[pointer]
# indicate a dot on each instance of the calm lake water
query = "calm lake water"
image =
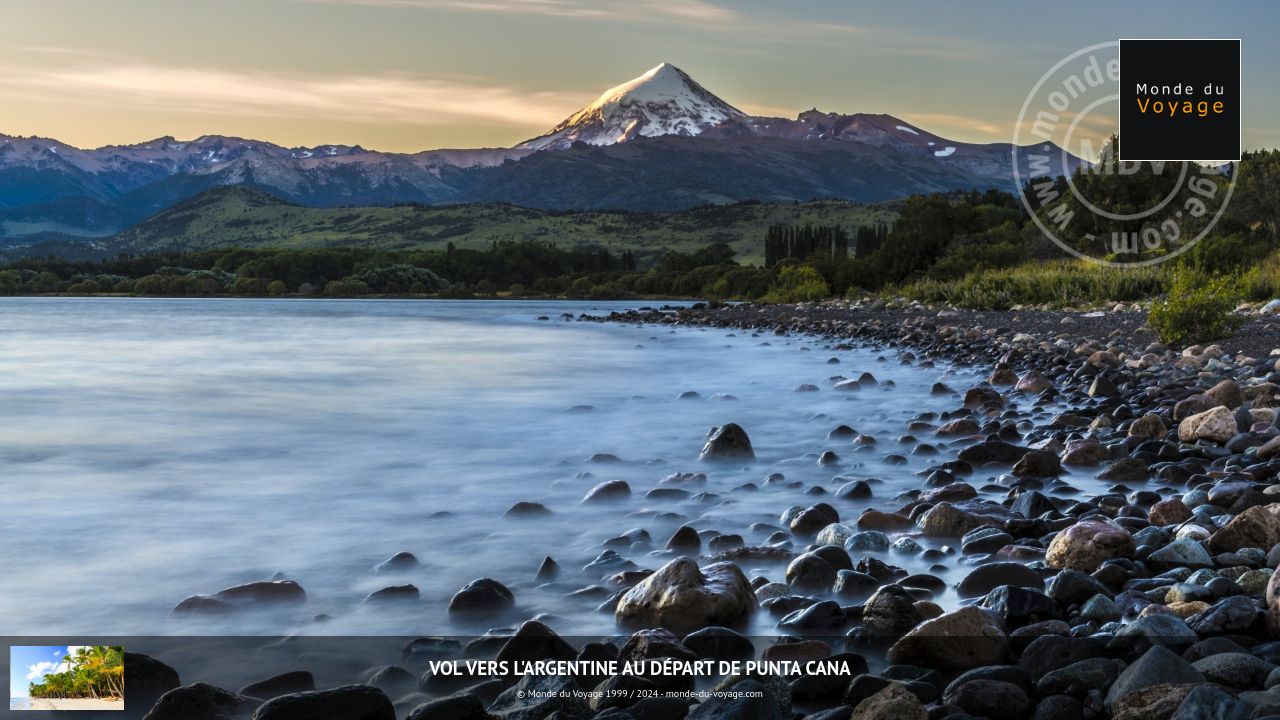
(156, 449)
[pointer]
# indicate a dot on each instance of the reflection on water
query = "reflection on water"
(155, 449)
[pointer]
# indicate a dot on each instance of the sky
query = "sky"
(409, 75)
(30, 663)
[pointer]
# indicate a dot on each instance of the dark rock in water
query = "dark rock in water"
(400, 562)
(842, 432)
(527, 509)
(979, 395)
(1157, 666)
(1038, 464)
(1125, 470)
(147, 678)
(992, 451)
(727, 442)
(457, 707)
(539, 696)
(352, 702)
(719, 643)
(1158, 629)
(994, 699)
(393, 593)
(854, 585)
(890, 612)
(1207, 702)
(683, 597)
(608, 491)
(548, 570)
(250, 595)
(1085, 545)
(812, 519)
(1003, 673)
(609, 458)
(196, 702)
(282, 684)
(535, 641)
(959, 640)
(985, 578)
(826, 615)
(393, 680)
(484, 596)
(1102, 387)
(685, 539)
(1032, 504)
(810, 573)
(1020, 606)
(655, 643)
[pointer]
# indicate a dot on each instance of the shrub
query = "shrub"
(798, 283)
(1197, 308)
(398, 277)
(277, 288)
(346, 287)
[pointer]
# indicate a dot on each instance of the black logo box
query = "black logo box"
(1186, 64)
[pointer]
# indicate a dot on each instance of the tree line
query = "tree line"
(91, 672)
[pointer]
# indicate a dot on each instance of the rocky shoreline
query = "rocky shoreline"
(1151, 599)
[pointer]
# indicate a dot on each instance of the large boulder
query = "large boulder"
(894, 702)
(352, 702)
(1157, 666)
(682, 597)
(958, 640)
(1216, 425)
(484, 596)
(250, 595)
(196, 702)
(891, 611)
(1256, 527)
(147, 679)
(1085, 545)
(727, 442)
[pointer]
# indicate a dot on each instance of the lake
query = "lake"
(154, 449)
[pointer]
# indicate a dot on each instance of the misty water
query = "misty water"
(156, 449)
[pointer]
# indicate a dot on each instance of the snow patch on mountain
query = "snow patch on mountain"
(663, 101)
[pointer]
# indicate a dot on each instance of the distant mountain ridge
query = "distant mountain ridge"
(661, 142)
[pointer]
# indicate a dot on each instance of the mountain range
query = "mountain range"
(658, 143)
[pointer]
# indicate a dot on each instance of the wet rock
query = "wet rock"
(1255, 527)
(1157, 701)
(197, 702)
(400, 562)
(282, 684)
(457, 707)
(1072, 587)
(947, 520)
(1235, 669)
(1169, 512)
(1148, 427)
(540, 696)
(685, 539)
(1157, 666)
(352, 702)
(810, 573)
(682, 597)
(1038, 464)
(527, 509)
(147, 678)
(986, 578)
(1017, 606)
(979, 395)
(834, 534)
(890, 611)
(1156, 629)
(894, 702)
(815, 689)
(1100, 609)
(1033, 383)
(992, 452)
(1226, 393)
(1085, 545)
(993, 699)
(1085, 452)
(812, 519)
(727, 442)
(719, 643)
(1181, 553)
(854, 585)
(1217, 425)
(1228, 615)
(393, 593)
(548, 570)
(825, 615)
(958, 640)
(249, 595)
(484, 596)
(1080, 677)
(879, 520)
(960, 426)
(867, 541)
(610, 490)
(535, 641)
(1047, 653)
(1208, 702)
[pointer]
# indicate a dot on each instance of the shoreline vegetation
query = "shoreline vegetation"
(94, 672)
(963, 250)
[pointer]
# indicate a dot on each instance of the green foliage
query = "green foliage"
(1197, 308)
(398, 278)
(93, 672)
(798, 283)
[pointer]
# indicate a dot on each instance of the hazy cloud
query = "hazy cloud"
(623, 10)
(403, 98)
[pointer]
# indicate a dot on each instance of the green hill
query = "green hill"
(243, 217)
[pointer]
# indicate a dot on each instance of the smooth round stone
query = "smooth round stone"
(906, 546)
(867, 541)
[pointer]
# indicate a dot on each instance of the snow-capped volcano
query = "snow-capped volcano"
(663, 101)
